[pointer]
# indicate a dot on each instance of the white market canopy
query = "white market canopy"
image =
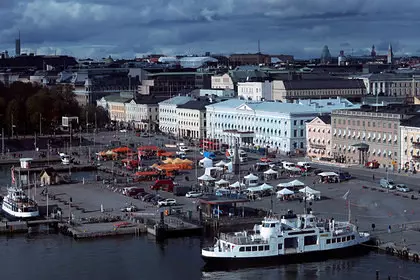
(285, 191)
(222, 182)
(204, 160)
(327, 174)
(220, 164)
(251, 177)
(235, 185)
(270, 171)
(294, 183)
(308, 190)
(206, 177)
(263, 187)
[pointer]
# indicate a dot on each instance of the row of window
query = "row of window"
(248, 119)
(255, 248)
(369, 123)
(340, 239)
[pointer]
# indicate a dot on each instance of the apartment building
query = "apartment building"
(286, 90)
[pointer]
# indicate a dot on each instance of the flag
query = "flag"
(12, 171)
(345, 196)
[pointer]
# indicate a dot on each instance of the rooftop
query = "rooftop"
(325, 118)
(195, 104)
(177, 74)
(116, 98)
(414, 121)
(312, 107)
(402, 109)
(323, 84)
(177, 100)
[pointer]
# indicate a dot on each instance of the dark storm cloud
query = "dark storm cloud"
(301, 27)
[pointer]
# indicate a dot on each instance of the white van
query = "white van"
(290, 166)
(243, 156)
(304, 164)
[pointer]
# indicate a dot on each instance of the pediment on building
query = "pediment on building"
(244, 107)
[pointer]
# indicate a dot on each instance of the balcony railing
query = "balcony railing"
(317, 146)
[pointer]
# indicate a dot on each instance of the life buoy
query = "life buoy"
(405, 254)
(416, 258)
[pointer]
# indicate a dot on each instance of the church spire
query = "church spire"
(390, 56)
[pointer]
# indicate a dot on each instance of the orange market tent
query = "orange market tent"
(177, 161)
(148, 148)
(168, 161)
(169, 167)
(187, 161)
(155, 165)
(121, 150)
(146, 173)
(167, 154)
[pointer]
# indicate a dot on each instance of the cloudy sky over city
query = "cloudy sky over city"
(98, 28)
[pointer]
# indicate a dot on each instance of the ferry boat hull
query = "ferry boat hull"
(227, 263)
(19, 216)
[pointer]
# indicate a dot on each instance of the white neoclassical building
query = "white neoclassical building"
(281, 126)
(143, 114)
(256, 91)
(168, 116)
(192, 119)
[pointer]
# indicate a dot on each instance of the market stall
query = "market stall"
(311, 194)
(251, 180)
(220, 164)
(206, 162)
(270, 174)
(206, 180)
(222, 183)
(284, 194)
(328, 177)
(292, 184)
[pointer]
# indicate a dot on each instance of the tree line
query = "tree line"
(26, 107)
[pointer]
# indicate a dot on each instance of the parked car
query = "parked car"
(167, 202)
(184, 149)
(130, 208)
(147, 198)
(387, 184)
(344, 176)
(193, 194)
(402, 188)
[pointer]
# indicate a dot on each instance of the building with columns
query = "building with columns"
(191, 118)
(280, 126)
(376, 128)
(168, 116)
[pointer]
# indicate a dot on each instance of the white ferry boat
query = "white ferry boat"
(65, 158)
(292, 237)
(18, 206)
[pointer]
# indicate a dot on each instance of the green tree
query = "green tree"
(12, 111)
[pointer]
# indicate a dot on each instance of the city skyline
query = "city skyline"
(98, 28)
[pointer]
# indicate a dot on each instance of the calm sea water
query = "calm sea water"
(51, 256)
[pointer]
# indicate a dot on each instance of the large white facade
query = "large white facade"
(256, 91)
(281, 126)
(141, 115)
(191, 123)
(168, 116)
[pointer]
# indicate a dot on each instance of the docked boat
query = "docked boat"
(18, 206)
(291, 238)
(65, 158)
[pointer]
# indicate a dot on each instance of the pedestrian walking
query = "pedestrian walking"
(389, 229)
(373, 177)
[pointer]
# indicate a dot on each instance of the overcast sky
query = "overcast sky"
(126, 28)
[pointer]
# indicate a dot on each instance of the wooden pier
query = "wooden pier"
(26, 226)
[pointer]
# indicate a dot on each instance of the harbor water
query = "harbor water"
(54, 256)
(50, 256)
